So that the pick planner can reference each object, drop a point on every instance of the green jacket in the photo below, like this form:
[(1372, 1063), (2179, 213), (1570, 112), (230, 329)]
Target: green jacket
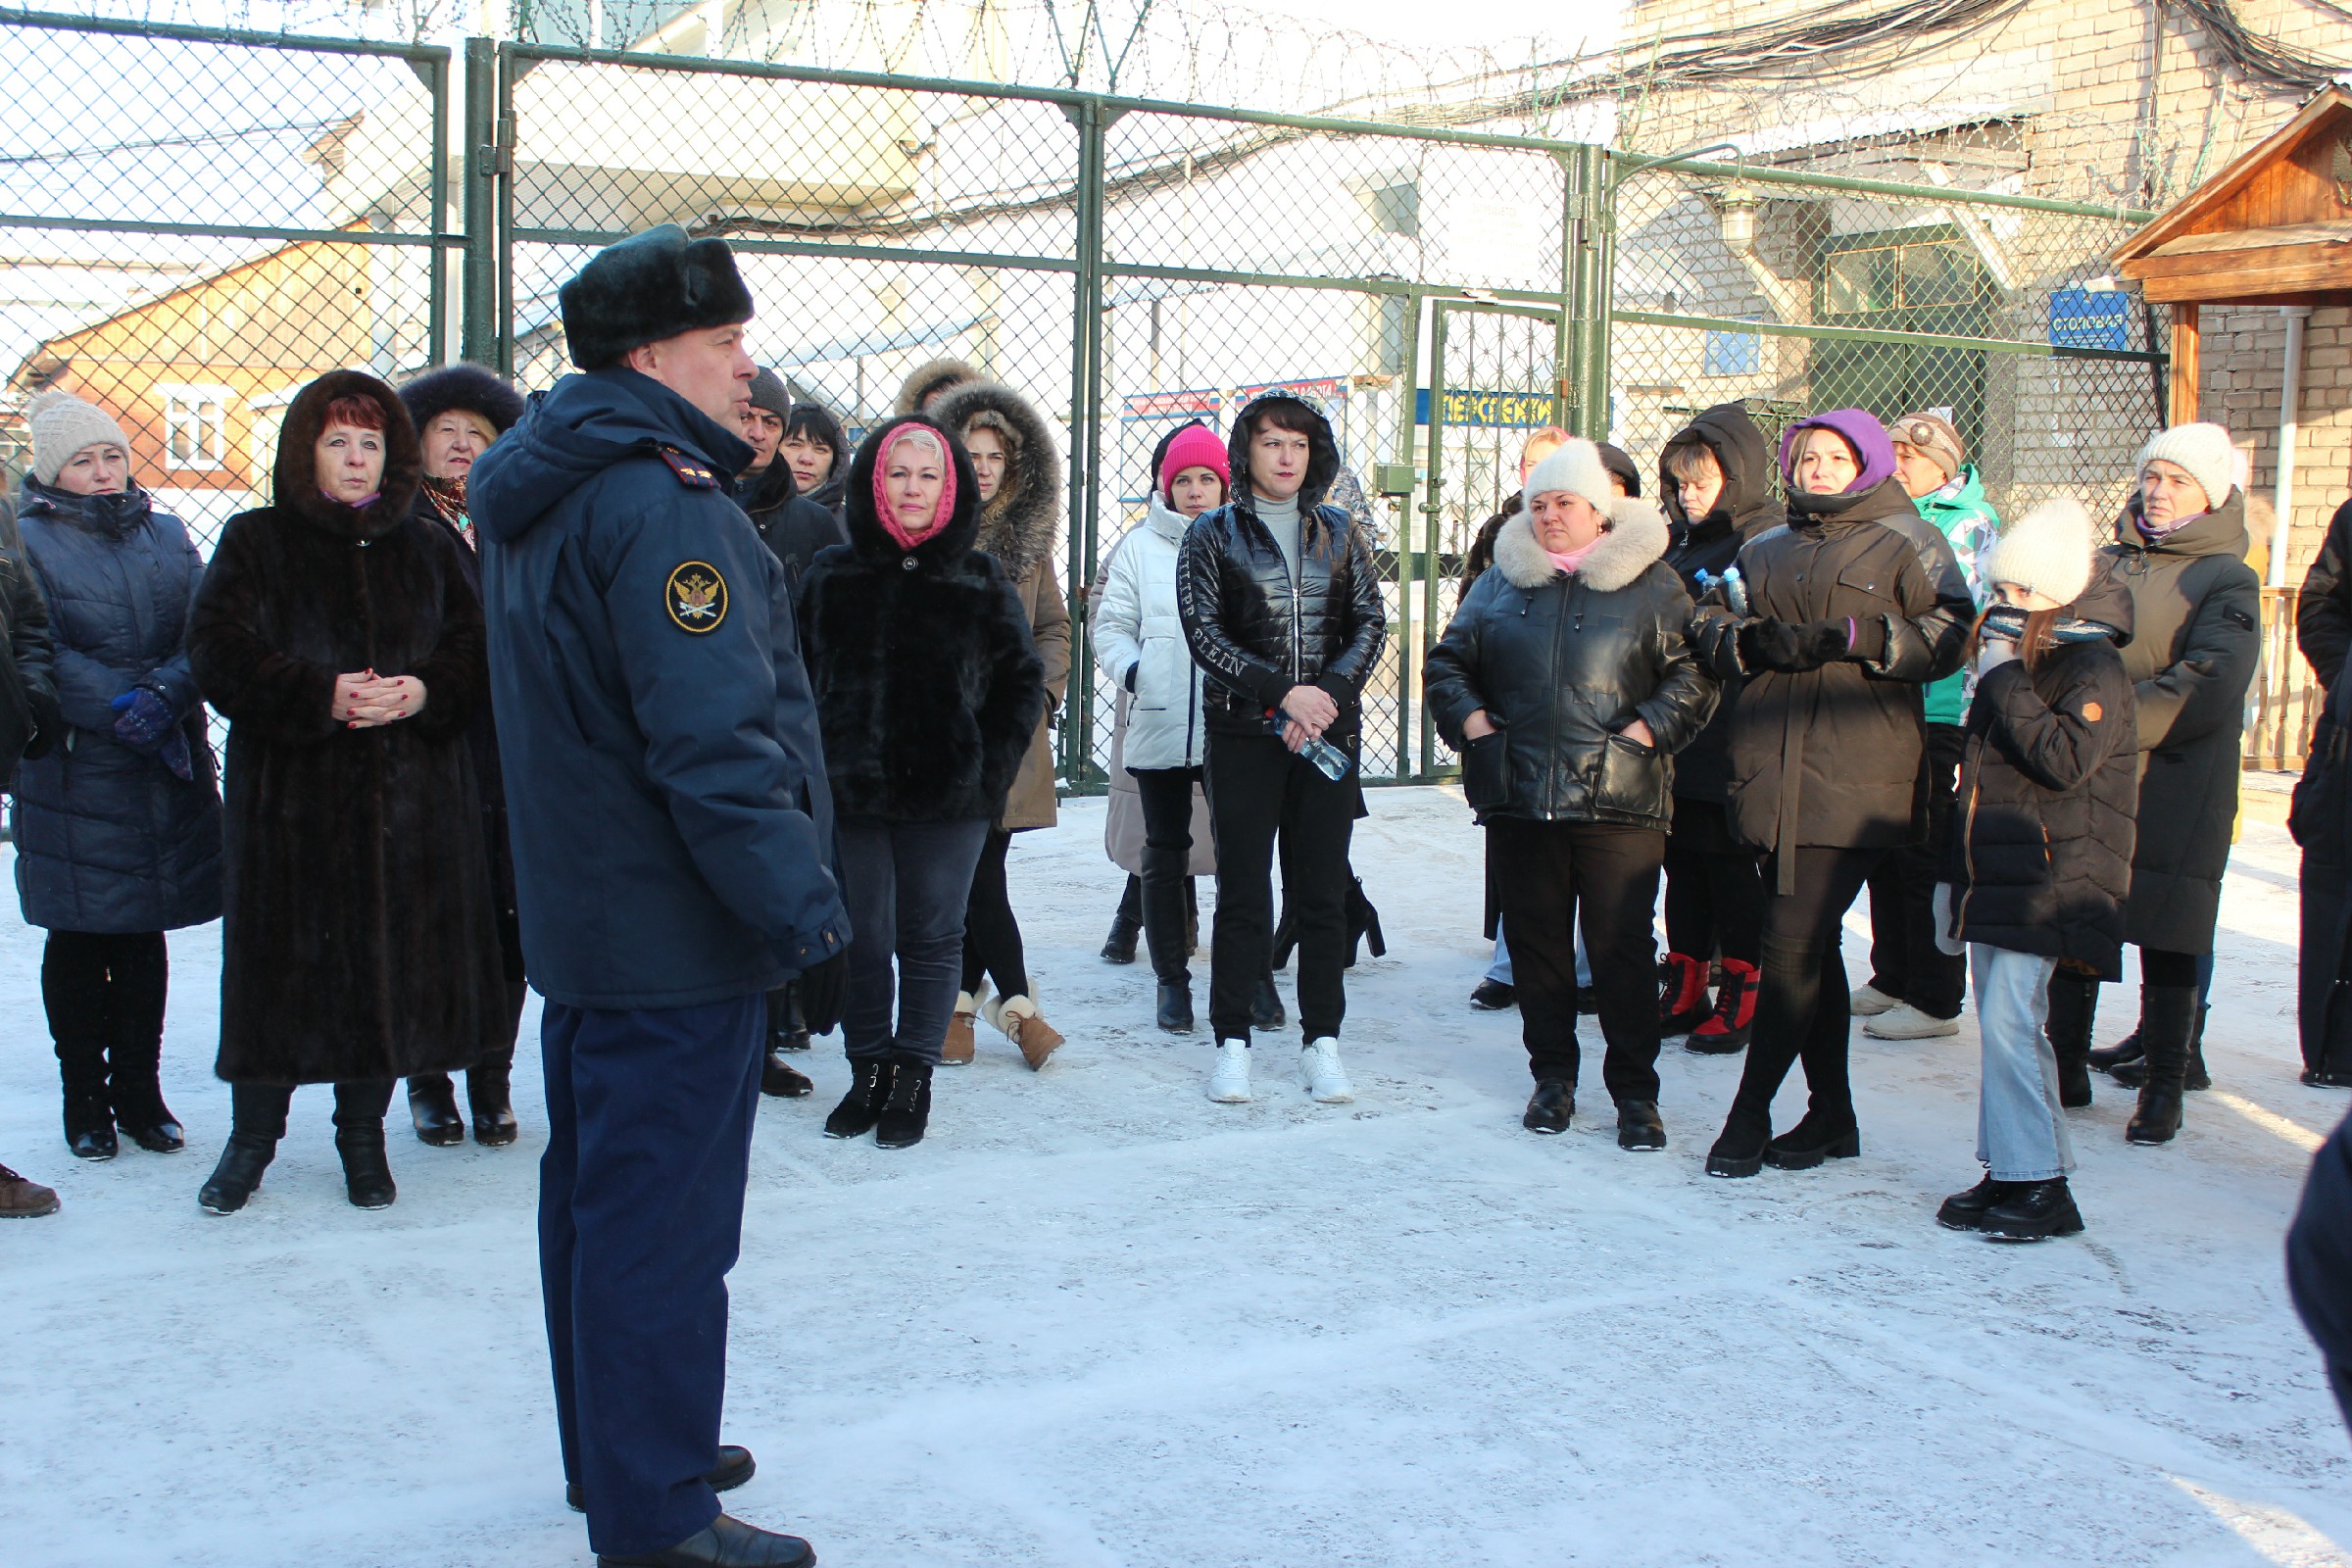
[(1966, 518)]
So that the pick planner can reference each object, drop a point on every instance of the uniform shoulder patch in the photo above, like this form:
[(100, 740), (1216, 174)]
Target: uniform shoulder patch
[(696, 597), (692, 473)]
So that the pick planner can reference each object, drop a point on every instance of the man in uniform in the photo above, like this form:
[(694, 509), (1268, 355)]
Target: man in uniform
[(674, 849)]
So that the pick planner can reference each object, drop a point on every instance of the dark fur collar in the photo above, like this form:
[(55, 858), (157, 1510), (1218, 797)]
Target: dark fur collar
[(1637, 536), (296, 478), (1019, 524)]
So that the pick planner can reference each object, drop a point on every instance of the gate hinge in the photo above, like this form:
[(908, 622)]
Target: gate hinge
[(499, 157)]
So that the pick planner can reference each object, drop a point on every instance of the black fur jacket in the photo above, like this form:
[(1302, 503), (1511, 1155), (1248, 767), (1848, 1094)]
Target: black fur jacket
[(928, 685), (361, 937)]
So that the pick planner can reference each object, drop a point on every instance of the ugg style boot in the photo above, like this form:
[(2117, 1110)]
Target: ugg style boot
[(956, 1050), (862, 1108), (2074, 1001), (1229, 1079), (1725, 1031), (238, 1176), (2168, 1016), (906, 1110), (1326, 1080), (1021, 1023), (1682, 994), (366, 1173)]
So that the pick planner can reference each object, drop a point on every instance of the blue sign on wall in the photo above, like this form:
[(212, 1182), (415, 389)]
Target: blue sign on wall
[(2081, 320)]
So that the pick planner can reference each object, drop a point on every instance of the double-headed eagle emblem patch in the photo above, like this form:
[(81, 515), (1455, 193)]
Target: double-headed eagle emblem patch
[(696, 597)]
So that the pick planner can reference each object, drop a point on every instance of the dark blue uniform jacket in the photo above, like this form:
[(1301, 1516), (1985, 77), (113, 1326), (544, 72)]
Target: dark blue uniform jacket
[(672, 827)]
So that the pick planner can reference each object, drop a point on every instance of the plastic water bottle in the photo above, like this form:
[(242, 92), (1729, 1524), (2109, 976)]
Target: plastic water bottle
[(1329, 759)]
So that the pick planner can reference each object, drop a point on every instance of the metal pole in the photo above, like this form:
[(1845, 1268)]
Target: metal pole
[(1603, 291), (436, 329), (502, 140), (1085, 416), (2290, 400), (1433, 489), (479, 334), (1408, 424)]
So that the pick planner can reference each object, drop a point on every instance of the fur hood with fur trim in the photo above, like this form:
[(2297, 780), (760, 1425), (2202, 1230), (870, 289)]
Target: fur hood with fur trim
[(931, 377), (1019, 524), (296, 476), (1635, 538)]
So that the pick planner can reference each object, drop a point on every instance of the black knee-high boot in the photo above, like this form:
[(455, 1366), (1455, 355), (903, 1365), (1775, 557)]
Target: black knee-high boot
[(2167, 1018), (1786, 992), (1828, 1129), (2074, 1009)]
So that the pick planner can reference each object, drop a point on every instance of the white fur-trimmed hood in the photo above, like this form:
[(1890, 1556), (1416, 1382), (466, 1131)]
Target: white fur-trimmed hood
[(1636, 537)]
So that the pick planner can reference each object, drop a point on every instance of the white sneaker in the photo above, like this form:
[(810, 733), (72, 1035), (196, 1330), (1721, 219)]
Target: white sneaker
[(1869, 1000), (1326, 1080), (1907, 1022), (1228, 1081)]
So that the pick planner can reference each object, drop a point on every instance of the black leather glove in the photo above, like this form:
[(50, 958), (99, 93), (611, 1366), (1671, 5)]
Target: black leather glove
[(825, 992), (48, 723), (1767, 644)]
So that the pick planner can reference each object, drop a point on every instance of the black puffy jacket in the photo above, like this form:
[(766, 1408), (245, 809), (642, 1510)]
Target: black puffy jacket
[(2040, 856), (793, 528), (1256, 631), (1562, 663), (1832, 755), (2323, 610), (1699, 550)]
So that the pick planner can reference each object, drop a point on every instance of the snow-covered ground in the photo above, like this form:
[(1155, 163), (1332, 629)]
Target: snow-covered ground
[(1097, 1320)]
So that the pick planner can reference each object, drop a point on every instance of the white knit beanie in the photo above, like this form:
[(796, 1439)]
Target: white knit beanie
[(2204, 450), (2047, 551), (62, 425), (1576, 468)]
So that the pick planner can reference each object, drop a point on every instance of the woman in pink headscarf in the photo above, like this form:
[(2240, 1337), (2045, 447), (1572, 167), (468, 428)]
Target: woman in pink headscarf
[(928, 688)]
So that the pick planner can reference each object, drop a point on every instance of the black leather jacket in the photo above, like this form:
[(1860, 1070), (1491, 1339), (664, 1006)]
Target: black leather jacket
[(1253, 629), (1563, 663)]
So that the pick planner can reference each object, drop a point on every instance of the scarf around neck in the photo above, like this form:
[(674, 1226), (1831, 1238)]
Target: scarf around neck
[(449, 499)]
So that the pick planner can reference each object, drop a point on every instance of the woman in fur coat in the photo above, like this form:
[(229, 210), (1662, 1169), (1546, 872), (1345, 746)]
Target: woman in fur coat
[(336, 633), (928, 690), (1019, 473)]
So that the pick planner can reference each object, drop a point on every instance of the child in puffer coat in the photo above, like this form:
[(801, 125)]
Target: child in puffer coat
[(2041, 858)]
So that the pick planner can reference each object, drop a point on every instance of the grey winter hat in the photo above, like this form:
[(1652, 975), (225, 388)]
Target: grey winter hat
[(2204, 450), (649, 287), (769, 394), (62, 425)]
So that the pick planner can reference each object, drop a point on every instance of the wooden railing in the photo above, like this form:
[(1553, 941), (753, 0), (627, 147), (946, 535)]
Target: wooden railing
[(2285, 700)]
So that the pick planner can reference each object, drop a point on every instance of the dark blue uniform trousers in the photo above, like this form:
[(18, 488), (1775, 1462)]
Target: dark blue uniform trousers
[(649, 1146)]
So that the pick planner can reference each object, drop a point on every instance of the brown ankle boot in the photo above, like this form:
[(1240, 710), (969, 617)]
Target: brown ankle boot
[(958, 1051), (1025, 1027)]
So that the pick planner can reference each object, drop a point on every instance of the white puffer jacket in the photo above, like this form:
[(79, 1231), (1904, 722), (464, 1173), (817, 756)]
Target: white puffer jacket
[(1140, 643)]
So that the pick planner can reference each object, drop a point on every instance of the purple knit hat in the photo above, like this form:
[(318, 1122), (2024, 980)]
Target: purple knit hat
[(1861, 430)]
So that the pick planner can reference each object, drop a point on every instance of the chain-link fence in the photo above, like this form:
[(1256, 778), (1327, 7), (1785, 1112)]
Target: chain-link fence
[(243, 211)]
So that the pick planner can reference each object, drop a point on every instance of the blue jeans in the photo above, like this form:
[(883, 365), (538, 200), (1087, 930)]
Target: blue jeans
[(2021, 1131), (1499, 972), (648, 1144), (905, 886)]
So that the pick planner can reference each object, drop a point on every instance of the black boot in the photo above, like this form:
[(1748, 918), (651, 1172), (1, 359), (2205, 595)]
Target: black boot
[(1813, 1140), (1551, 1107), (907, 1113), (861, 1107), (2033, 1211), (366, 1173), (2131, 1074), (780, 1079), (1639, 1126), (787, 1021), (1119, 945), (489, 1095), (239, 1173), (433, 1108), (2106, 1058), (2168, 1017), (1363, 923), (2073, 1006), (1267, 1011), (1965, 1211), (91, 1127), (1739, 1148), (727, 1543), (136, 1091), (1286, 937), (1176, 1008), (89, 1112)]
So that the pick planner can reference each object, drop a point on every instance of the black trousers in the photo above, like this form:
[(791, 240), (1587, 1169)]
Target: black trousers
[(1261, 796), (1801, 1008), (1549, 874), (992, 936), (104, 992), (1904, 961), (260, 1109), (1714, 886), (1166, 793)]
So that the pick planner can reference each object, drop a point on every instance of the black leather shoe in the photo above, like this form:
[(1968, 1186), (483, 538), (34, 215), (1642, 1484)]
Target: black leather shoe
[(861, 1107), (781, 1079), (366, 1174), (94, 1143), (1493, 996), (433, 1108), (90, 1125), (1267, 1011), (1739, 1148), (1965, 1211), (1119, 945), (1809, 1142), (733, 1469), (1639, 1126), (238, 1174), (729, 1542), (907, 1113), (489, 1097), (1176, 1008), (2033, 1211), (2105, 1058), (165, 1137), (1551, 1107)]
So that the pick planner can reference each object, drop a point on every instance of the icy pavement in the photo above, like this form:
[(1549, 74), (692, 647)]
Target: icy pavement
[(1097, 1320)]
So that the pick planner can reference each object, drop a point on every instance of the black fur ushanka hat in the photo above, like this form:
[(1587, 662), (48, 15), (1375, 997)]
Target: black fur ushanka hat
[(647, 287)]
